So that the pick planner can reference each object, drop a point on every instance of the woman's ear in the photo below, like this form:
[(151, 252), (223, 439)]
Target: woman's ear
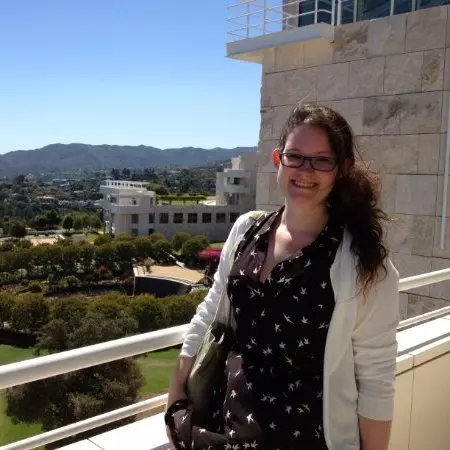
[(276, 157)]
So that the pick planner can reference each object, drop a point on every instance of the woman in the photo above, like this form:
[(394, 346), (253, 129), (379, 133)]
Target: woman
[(315, 299)]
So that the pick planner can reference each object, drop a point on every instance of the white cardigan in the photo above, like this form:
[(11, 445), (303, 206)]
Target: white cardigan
[(361, 346)]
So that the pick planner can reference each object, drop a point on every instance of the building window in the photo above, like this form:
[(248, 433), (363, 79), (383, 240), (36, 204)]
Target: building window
[(178, 218), (233, 217), (134, 218), (192, 217), (206, 218), (221, 217), (164, 218), (150, 231), (133, 201), (134, 232), (151, 218)]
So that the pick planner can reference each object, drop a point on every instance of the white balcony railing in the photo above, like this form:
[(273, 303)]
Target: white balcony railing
[(69, 361)]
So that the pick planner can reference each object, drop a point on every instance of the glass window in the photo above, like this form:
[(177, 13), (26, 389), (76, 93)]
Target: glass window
[(192, 217), (373, 9), (150, 231), (134, 218), (151, 218), (306, 9), (134, 232), (233, 217), (178, 218), (206, 218), (221, 217), (163, 217)]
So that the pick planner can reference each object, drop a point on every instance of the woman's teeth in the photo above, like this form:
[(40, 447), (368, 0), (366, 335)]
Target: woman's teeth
[(303, 184)]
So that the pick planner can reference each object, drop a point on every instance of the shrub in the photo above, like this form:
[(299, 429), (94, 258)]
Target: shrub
[(35, 287), (178, 239), (149, 312), (29, 313), (154, 237)]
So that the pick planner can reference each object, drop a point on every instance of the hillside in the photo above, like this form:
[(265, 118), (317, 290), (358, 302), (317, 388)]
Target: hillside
[(71, 157)]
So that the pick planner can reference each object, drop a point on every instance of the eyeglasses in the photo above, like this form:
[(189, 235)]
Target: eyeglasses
[(322, 163)]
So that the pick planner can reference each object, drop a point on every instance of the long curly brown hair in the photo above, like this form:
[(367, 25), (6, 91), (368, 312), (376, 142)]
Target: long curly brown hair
[(354, 197)]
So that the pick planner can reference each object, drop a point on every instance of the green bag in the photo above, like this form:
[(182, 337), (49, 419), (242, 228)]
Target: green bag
[(209, 364)]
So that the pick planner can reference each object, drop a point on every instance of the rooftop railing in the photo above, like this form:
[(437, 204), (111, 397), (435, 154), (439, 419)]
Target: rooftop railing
[(72, 360)]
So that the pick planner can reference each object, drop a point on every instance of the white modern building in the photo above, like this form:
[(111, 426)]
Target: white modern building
[(128, 207)]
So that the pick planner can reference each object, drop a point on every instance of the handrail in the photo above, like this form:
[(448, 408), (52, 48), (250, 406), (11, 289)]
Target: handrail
[(56, 364), (93, 355)]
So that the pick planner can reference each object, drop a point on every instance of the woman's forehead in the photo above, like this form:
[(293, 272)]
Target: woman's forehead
[(306, 138)]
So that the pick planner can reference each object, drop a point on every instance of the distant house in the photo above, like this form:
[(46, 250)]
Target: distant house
[(130, 208)]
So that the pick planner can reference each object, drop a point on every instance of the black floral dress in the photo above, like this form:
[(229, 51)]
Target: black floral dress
[(271, 397)]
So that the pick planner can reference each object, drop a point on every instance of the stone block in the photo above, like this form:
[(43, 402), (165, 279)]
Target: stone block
[(280, 116), (332, 81), (267, 192), (416, 194), (350, 42), (403, 306), (269, 60), (418, 304), (265, 149), (381, 115), (289, 57), (317, 53), (287, 88), (352, 110), (442, 153), (386, 36), (409, 265), (403, 73), (433, 70), (265, 131), (439, 200), (369, 149), (388, 190), (421, 113), (410, 234), (399, 153), (444, 117), (440, 290), (366, 77), (447, 70), (429, 154), (426, 29)]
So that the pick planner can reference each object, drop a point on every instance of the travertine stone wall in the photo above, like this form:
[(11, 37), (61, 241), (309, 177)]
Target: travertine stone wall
[(391, 79)]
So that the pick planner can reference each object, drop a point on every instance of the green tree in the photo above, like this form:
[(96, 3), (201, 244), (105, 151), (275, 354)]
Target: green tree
[(179, 238), (95, 222), (203, 239), (192, 248), (143, 247), (78, 395), (156, 237), (67, 222), (17, 229), (6, 304), (150, 313), (161, 251), (29, 313), (53, 218), (78, 222)]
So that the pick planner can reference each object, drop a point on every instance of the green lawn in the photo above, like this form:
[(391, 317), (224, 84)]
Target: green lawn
[(10, 432), (156, 368)]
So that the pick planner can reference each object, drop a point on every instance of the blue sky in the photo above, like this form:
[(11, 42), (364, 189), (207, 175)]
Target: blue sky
[(149, 72)]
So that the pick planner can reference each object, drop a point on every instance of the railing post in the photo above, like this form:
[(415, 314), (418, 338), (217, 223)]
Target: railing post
[(339, 12), (316, 7), (333, 12)]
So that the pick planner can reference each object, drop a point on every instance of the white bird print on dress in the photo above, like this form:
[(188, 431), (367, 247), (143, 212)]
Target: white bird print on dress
[(287, 318), (320, 306), (233, 394), (282, 345), (253, 253), (272, 425), (305, 320), (306, 407), (228, 414), (323, 285), (269, 278), (308, 263), (264, 398), (202, 430), (296, 433), (272, 400), (250, 418), (306, 341), (288, 409), (182, 444), (231, 432), (303, 291), (249, 385), (277, 328), (267, 351), (241, 273), (254, 444), (322, 325), (289, 361), (263, 313), (255, 270), (291, 386)]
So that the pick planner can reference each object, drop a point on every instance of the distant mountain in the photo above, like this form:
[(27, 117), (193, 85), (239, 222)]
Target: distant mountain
[(71, 157)]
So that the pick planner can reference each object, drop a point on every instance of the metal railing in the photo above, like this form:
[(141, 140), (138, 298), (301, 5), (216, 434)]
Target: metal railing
[(69, 361)]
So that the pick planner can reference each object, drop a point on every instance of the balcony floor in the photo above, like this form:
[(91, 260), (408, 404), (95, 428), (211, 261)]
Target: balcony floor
[(145, 434)]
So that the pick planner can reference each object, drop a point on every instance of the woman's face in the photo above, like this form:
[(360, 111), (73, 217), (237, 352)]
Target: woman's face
[(306, 185)]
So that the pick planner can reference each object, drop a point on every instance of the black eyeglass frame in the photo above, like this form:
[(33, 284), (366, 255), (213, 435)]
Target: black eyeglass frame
[(311, 159)]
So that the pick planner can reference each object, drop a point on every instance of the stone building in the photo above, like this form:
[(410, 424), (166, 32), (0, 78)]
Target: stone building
[(390, 77)]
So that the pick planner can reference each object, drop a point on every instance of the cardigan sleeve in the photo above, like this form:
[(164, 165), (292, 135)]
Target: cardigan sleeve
[(375, 347), (207, 309)]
